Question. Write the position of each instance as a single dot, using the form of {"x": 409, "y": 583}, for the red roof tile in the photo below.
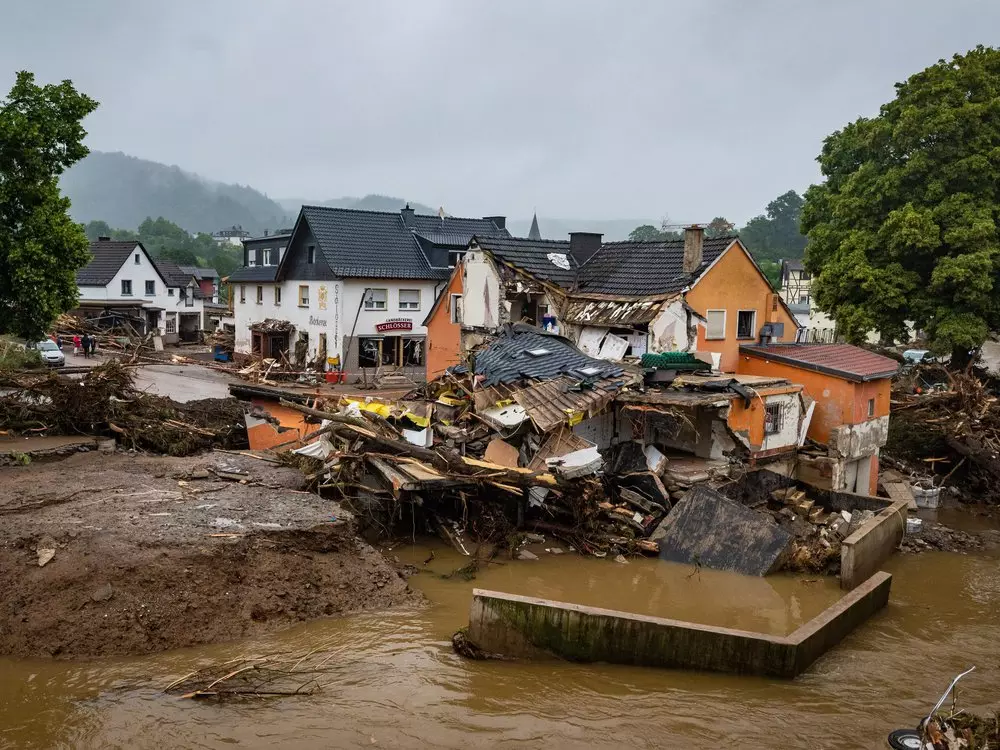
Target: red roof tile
{"x": 842, "y": 360}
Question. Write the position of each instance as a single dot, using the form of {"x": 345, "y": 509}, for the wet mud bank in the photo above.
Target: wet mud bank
{"x": 117, "y": 554}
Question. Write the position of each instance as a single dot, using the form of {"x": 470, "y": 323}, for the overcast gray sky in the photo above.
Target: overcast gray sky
{"x": 574, "y": 107}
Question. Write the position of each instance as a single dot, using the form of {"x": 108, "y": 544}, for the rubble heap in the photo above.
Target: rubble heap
{"x": 106, "y": 402}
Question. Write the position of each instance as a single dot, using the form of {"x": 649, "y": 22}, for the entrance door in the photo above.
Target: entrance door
{"x": 321, "y": 351}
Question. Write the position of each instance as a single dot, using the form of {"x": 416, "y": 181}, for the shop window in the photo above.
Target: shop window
{"x": 413, "y": 352}
{"x": 409, "y": 299}
{"x": 716, "y": 328}
{"x": 772, "y": 419}
{"x": 745, "y": 324}
{"x": 376, "y": 299}
{"x": 369, "y": 352}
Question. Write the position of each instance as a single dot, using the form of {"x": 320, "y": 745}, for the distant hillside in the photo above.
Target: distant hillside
{"x": 123, "y": 190}
{"x": 368, "y": 203}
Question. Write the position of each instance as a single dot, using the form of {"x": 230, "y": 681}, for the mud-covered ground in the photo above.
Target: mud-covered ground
{"x": 146, "y": 554}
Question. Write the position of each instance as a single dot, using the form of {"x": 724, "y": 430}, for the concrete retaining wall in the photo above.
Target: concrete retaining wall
{"x": 864, "y": 551}
{"x": 523, "y": 626}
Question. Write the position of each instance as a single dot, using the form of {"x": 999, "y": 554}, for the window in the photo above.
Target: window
{"x": 804, "y": 276}
{"x": 456, "y": 308}
{"x": 252, "y": 257}
{"x": 138, "y": 259}
{"x": 772, "y": 419}
{"x": 803, "y": 299}
{"x": 455, "y": 257}
{"x": 277, "y": 295}
{"x": 126, "y": 288}
{"x": 376, "y": 299}
{"x": 716, "y": 327}
{"x": 409, "y": 299}
{"x": 171, "y": 322}
{"x": 243, "y": 293}
{"x": 311, "y": 254}
{"x": 871, "y": 408}
{"x": 188, "y": 296}
{"x": 170, "y": 292}
{"x": 390, "y": 351}
{"x": 745, "y": 324}
{"x": 304, "y": 295}
{"x": 413, "y": 352}
{"x": 260, "y": 295}
{"x": 150, "y": 288}
{"x": 271, "y": 256}
{"x": 369, "y": 352}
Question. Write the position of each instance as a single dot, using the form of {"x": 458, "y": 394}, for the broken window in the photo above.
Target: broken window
{"x": 773, "y": 414}
{"x": 745, "y": 324}
{"x": 369, "y": 351}
{"x": 376, "y": 299}
{"x": 171, "y": 325}
{"x": 456, "y": 308}
{"x": 716, "y": 325}
{"x": 413, "y": 352}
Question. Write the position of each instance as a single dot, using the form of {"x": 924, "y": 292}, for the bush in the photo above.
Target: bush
{"x": 15, "y": 356}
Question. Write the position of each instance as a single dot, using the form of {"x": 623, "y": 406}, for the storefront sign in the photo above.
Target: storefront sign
{"x": 316, "y": 322}
{"x": 395, "y": 324}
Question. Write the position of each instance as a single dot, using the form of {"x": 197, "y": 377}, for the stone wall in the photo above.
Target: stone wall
{"x": 867, "y": 549}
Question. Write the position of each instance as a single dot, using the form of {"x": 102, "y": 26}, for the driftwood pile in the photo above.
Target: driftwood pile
{"x": 947, "y": 425}
{"x": 105, "y": 402}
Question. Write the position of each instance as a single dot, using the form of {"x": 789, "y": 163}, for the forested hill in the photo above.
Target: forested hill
{"x": 123, "y": 191}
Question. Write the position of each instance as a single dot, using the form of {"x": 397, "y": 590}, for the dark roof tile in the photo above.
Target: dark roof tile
{"x": 254, "y": 273}
{"x": 548, "y": 260}
{"x": 842, "y": 360}
{"x": 107, "y": 258}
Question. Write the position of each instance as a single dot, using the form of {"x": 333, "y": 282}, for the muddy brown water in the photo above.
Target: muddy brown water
{"x": 397, "y": 683}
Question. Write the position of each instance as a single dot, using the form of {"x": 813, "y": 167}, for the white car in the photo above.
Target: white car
{"x": 51, "y": 354}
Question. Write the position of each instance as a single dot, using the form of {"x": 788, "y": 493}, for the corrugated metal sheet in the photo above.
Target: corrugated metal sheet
{"x": 611, "y": 312}
{"x": 551, "y": 403}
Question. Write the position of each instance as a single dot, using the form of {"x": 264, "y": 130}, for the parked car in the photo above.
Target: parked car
{"x": 51, "y": 354}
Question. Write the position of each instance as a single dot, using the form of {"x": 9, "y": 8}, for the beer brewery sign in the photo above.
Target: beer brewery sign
{"x": 395, "y": 324}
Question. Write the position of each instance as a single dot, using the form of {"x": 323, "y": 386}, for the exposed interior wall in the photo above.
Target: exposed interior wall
{"x": 669, "y": 330}
{"x": 748, "y": 422}
{"x": 444, "y": 338}
{"x": 481, "y": 306}
{"x": 734, "y": 284}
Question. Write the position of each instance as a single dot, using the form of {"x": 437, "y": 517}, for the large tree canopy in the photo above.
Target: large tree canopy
{"x": 40, "y": 246}
{"x": 905, "y": 226}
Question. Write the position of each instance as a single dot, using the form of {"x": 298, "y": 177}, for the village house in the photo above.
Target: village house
{"x": 849, "y": 391}
{"x": 122, "y": 281}
{"x": 613, "y": 299}
{"x": 348, "y": 290}
{"x": 208, "y": 281}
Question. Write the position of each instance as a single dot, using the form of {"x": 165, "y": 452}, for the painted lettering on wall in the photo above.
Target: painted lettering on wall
{"x": 336, "y": 315}
{"x": 395, "y": 324}
{"x": 322, "y": 297}
{"x": 317, "y": 322}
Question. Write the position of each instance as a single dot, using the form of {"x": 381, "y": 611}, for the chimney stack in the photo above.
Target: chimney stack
{"x": 584, "y": 245}
{"x": 102, "y": 238}
{"x": 407, "y": 213}
{"x": 694, "y": 239}
{"x": 499, "y": 221}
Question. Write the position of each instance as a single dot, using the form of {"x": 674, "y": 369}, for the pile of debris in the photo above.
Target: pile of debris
{"x": 114, "y": 333}
{"x": 947, "y": 425}
{"x": 106, "y": 402}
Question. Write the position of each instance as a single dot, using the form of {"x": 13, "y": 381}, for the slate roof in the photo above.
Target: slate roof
{"x": 639, "y": 269}
{"x": 533, "y": 257}
{"x": 200, "y": 273}
{"x": 507, "y": 360}
{"x": 172, "y": 273}
{"x": 841, "y": 360}
{"x": 254, "y": 273}
{"x": 377, "y": 244}
{"x": 108, "y": 257}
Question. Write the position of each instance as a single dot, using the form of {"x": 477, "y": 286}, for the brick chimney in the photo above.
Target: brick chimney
{"x": 694, "y": 240}
{"x": 499, "y": 221}
{"x": 407, "y": 213}
{"x": 583, "y": 245}
{"x": 102, "y": 238}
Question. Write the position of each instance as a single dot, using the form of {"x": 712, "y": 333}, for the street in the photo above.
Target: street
{"x": 179, "y": 382}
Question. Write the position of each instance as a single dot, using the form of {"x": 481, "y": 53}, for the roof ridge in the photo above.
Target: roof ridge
{"x": 397, "y": 214}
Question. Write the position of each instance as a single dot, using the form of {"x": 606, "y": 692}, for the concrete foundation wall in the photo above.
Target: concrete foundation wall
{"x": 522, "y": 626}
{"x": 867, "y": 549}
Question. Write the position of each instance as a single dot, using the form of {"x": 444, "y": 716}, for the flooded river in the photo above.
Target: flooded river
{"x": 397, "y": 683}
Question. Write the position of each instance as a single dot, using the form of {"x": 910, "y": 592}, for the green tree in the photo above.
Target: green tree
{"x": 41, "y": 247}
{"x": 645, "y": 233}
{"x": 776, "y": 234}
{"x": 904, "y": 228}
{"x": 719, "y": 227}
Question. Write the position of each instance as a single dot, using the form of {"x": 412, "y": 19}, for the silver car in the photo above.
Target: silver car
{"x": 51, "y": 354}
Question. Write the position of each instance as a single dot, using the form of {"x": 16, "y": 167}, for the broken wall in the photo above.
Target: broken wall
{"x": 481, "y": 300}
{"x": 671, "y": 330}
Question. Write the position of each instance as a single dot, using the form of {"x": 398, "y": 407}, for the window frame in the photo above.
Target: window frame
{"x": 871, "y": 408}
{"x": 311, "y": 254}
{"x": 150, "y": 288}
{"x": 454, "y": 308}
{"x": 129, "y": 283}
{"x": 170, "y": 292}
{"x": 243, "y": 294}
{"x": 277, "y": 295}
{"x": 753, "y": 325}
{"x": 138, "y": 259}
{"x": 725, "y": 316}
{"x": 400, "y": 303}
{"x": 170, "y": 323}
{"x": 370, "y": 302}
{"x": 774, "y": 417}
{"x": 260, "y": 294}
{"x": 304, "y": 301}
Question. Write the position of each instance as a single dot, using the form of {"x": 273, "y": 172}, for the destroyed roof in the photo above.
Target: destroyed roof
{"x": 548, "y": 260}
{"x": 378, "y": 244}
{"x": 108, "y": 257}
{"x": 841, "y": 360}
{"x": 271, "y": 325}
{"x": 524, "y": 352}
{"x": 610, "y": 312}
{"x": 640, "y": 269}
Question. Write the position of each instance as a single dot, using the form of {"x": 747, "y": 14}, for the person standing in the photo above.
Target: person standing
{"x": 76, "y": 344}
{"x": 86, "y": 345}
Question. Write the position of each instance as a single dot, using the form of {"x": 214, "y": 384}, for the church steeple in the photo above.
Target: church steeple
{"x": 533, "y": 233}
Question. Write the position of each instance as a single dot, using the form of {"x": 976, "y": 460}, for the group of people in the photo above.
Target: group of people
{"x": 87, "y": 344}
